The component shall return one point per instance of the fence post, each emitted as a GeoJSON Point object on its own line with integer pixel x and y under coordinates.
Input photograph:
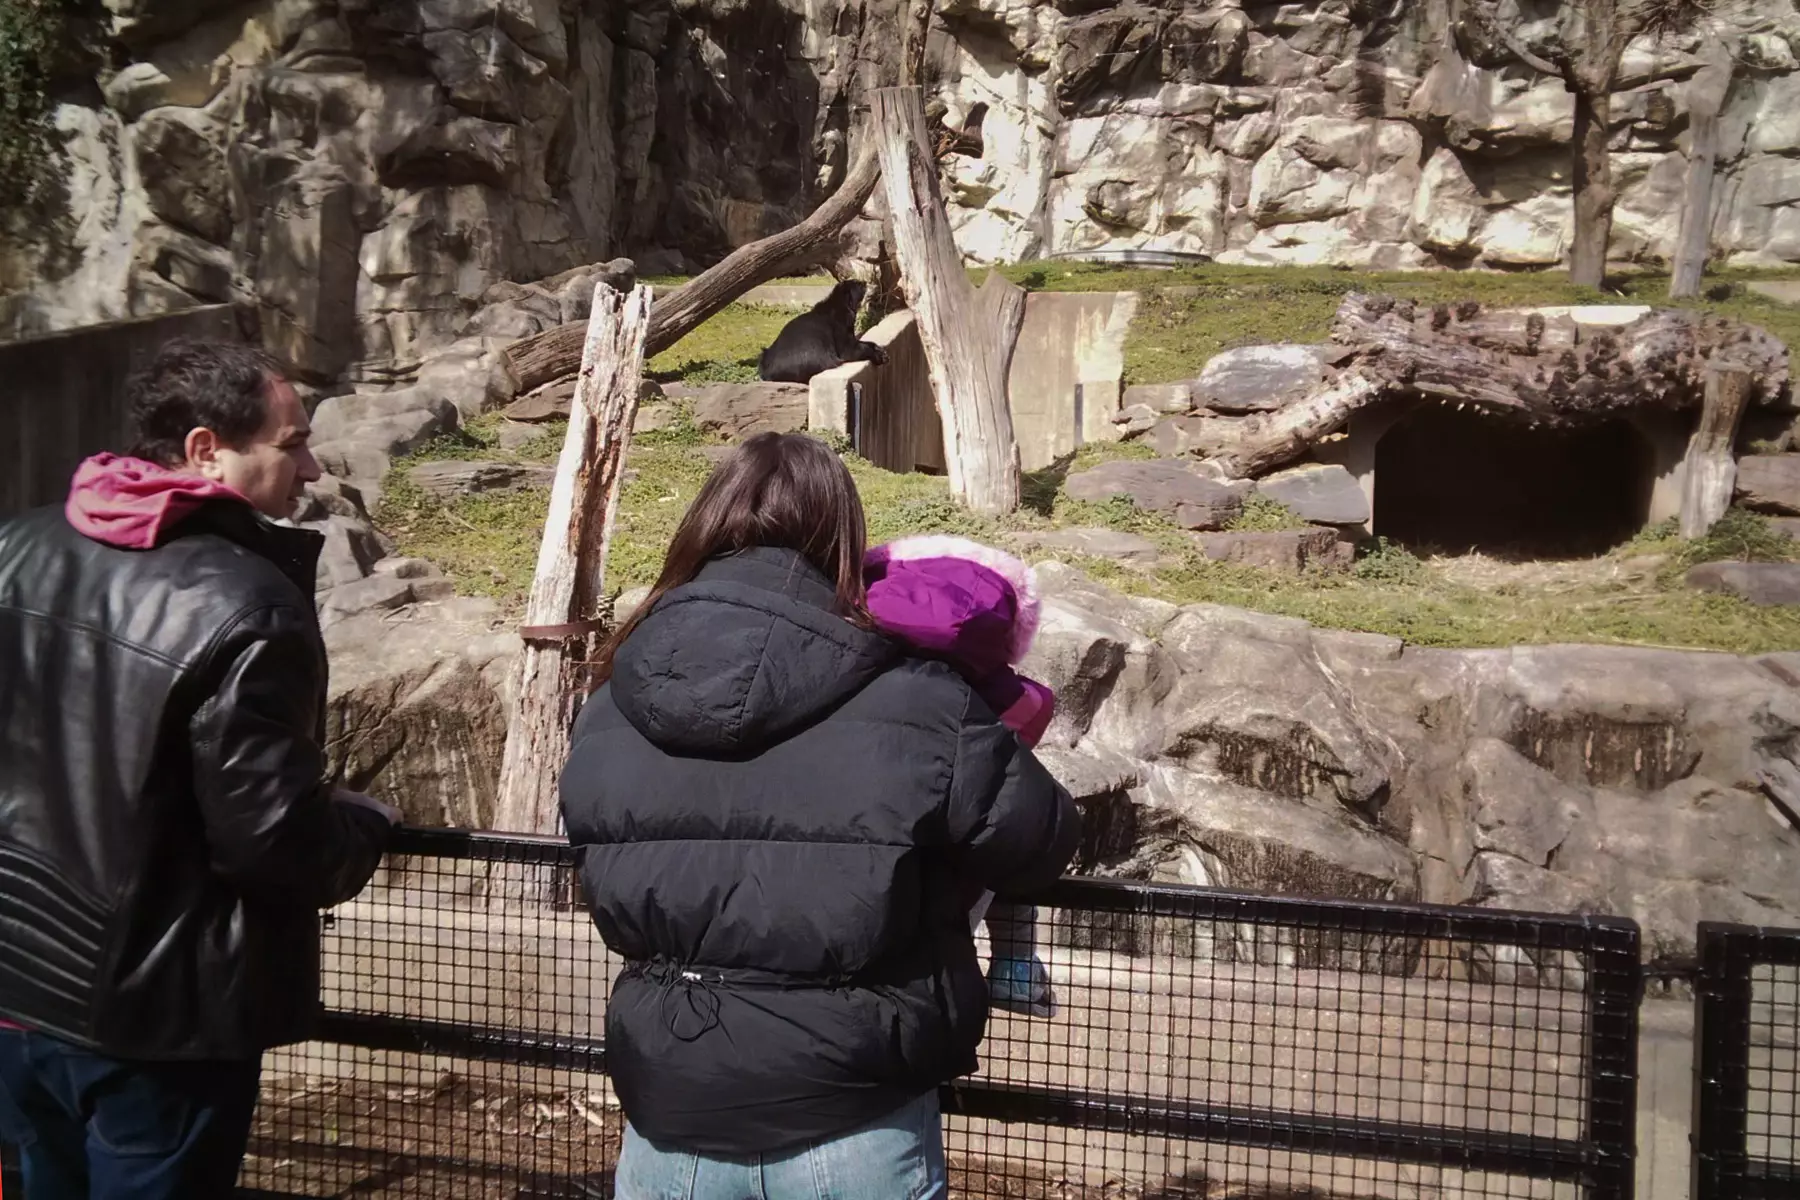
{"type": "Point", "coordinates": [1721, 1062]}
{"type": "Point", "coordinates": [1615, 986]}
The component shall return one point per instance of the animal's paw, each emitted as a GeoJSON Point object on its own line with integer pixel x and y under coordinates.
{"type": "Point", "coordinates": [877, 355]}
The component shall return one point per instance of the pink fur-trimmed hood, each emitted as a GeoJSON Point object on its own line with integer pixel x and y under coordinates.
{"type": "Point", "coordinates": [955, 596]}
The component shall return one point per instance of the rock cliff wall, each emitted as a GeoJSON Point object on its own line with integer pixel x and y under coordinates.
{"type": "Point", "coordinates": [365, 171]}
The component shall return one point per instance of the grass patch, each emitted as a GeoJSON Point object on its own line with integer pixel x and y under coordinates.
{"type": "Point", "coordinates": [725, 349]}
{"type": "Point", "coordinates": [488, 545]}
{"type": "Point", "coordinates": [1739, 536]}
{"type": "Point", "coordinates": [1426, 609]}
{"type": "Point", "coordinates": [1263, 515]}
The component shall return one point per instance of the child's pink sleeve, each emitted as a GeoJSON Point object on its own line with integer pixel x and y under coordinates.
{"type": "Point", "coordinates": [1029, 716]}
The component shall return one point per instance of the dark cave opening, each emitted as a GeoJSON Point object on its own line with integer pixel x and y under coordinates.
{"type": "Point", "coordinates": [1454, 482]}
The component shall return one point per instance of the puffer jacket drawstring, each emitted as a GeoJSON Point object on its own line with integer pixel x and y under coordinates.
{"type": "Point", "coordinates": [688, 1003]}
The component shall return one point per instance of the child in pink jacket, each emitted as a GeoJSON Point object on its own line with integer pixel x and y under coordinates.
{"type": "Point", "coordinates": [976, 608]}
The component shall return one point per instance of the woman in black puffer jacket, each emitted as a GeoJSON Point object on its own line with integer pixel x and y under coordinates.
{"type": "Point", "coordinates": [781, 818]}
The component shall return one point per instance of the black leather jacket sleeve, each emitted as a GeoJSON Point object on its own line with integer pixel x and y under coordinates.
{"type": "Point", "coordinates": [1017, 827]}
{"type": "Point", "coordinates": [272, 829]}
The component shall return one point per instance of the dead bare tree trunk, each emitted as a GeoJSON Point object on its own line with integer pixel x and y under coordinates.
{"type": "Point", "coordinates": [968, 336]}
{"type": "Point", "coordinates": [1593, 188]}
{"type": "Point", "coordinates": [562, 615]}
{"type": "Point", "coordinates": [1706, 96]}
{"type": "Point", "coordinates": [556, 353]}
{"type": "Point", "coordinates": [1711, 465]}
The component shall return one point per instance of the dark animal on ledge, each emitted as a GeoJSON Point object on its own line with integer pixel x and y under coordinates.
{"type": "Point", "coordinates": [821, 339]}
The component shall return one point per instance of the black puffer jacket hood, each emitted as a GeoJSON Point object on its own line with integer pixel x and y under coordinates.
{"type": "Point", "coordinates": [742, 657]}
{"type": "Point", "coordinates": [781, 820]}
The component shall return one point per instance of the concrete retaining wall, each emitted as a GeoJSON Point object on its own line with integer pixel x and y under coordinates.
{"type": "Point", "coordinates": [1068, 372]}
{"type": "Point", "coordinates": [886, 412]}
{"type": "Point", "coordinates": [1064, 385]}
{"type": "Point", "coordinates": [65, 396]}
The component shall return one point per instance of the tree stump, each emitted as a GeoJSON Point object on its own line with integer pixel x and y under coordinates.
{"type": "Point", "coordinates": [563, 615]}
{"type": "Point", "coordinates": [1711, 466]}
{"type": "Point", "coordinates": [968, 336]}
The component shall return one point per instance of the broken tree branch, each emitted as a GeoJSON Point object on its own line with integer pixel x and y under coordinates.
{"type": "Point", "coordinates": [562, 615]}
{"type": "Point", "coordinates": [556, 353]}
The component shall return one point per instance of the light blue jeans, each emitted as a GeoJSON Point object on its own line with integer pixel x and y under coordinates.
{"type": "Point", "coordinates": [899, 1157]}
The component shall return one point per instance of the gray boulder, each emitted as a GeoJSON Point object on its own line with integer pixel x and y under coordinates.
{"type": "Point", "coordinates": [451, 479]}
{"type": "Point", "coordinates": [1290, 551]}
{"type": "Point", "coordinates": [416, 714]}
{"type": "Point", "coordinates": [1129, 548]}
{"type": "Point", "coordinates": [1259, 378]}
{"type": "Point", "coordinates": [1165, 398]}
{"type": "Point", "coordinates": [1770, 483]}
{"type": "Point", "coordinates": [1759, 583]}
{"type": "Point", "coordinates": [1177, 490]}
{"type": "Point", "coordinates": [739, 410]}
{"type": "Point", "coordinates": [1324, 495]}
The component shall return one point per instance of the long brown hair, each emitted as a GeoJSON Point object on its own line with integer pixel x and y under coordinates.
{"type": "Point", "coordinates": [782, 490]}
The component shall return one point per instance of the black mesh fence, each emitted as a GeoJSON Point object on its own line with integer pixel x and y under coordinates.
{"type": "Point", "coordinates": [1747, 1063]}
{"type": "Point", "coordinates": [1200, 1044]}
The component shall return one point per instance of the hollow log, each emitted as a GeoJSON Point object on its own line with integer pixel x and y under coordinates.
{"type": "Point", "coordinates": [1507, 365]}
{"type": "Point", "coordinates": [968, 336]}
{"type": "Point", "coordinates": [563, 613]}
{"type": "Point", "coordinates": [556, 353]}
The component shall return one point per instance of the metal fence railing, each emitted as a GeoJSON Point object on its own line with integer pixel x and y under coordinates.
{"type": "Point", "coordinates": [1203, 1044]}
{"type": "Point", "coordinates": [1747, 1063]}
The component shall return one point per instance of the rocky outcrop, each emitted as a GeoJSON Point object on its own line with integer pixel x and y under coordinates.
{"type": "Point", "coordinates": [1354, 134]}
{"type": "Point", "coordinates": [368, 173]}
{"type": "Point", "coordinates": [1256, 751]}
{"type": "Point", "coordinates": [1216, 746]}
{"type": "Point", "coordinates": [369, 176]}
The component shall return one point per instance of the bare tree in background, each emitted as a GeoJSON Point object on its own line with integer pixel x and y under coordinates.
{"type": "Point", "coordinates": [1585, 52]}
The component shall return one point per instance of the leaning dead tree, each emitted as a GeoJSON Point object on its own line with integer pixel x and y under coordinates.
{"type": "Point", "coordinates": [1507, 365]}
{"type": "Point", "coordinates": [556, 353]}
{"type": "Point", "coordinates": [968, 335]}
{"type": "Point", "coordinates": [564, 615]}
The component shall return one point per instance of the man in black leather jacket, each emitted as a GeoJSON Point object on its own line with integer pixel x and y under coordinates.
{"type": "Point", "coordinates": [167, 837]}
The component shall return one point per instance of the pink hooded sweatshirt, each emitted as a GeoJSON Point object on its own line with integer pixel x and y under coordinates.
{"type": "Point", "coordinates": [973, 606]}
{"type": "Point", "coordinates": [132, 504]}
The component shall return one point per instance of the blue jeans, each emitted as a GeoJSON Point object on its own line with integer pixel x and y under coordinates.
{"type": "Point", "coordinates": [899, 1157]}
{"type": "Point", "coordinates": [87, 1125]}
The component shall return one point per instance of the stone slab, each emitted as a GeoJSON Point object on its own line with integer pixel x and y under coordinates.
{"type": "Point", "coordinates": [1759, 583]}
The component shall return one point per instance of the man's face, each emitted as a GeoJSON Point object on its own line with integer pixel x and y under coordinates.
{"type": "Point", "coordinates": [272, 469]}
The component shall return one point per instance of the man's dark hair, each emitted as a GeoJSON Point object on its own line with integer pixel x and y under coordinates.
{"type": "Point", "coordinates": [198, 385]}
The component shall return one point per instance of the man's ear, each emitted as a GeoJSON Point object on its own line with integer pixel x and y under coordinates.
{"type": "Point", "coordinates": [202, 446]}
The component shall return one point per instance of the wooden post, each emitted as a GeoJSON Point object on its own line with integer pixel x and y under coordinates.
{"type": "Point", "coordinates": [562, 615]}
{"type": "Point", "coordinates": [968, 335]}
{"type": "Point", "coordinates": [1706, 95]}
{"type": "Point", "coordinates": [1711, 466]}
